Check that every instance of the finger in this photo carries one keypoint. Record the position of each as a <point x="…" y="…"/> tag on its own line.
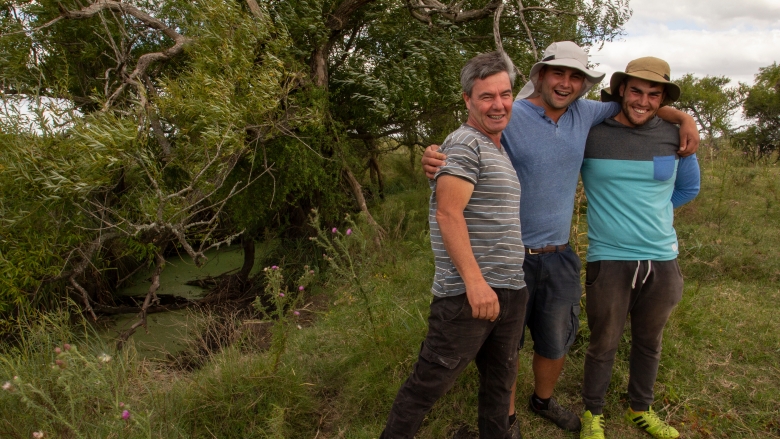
<point x="433" y="147"/>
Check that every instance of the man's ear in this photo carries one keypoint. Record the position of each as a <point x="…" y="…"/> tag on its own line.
<point x="622" y="89"/>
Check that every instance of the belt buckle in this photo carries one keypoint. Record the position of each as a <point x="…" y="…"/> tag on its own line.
<point x="532" y="252"/>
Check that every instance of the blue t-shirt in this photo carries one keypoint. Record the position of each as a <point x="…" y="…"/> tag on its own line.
<point x="633" y="178"/>
<point x="547" y="157"/>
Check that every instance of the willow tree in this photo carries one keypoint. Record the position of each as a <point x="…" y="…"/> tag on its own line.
<point x="153" y="128"/>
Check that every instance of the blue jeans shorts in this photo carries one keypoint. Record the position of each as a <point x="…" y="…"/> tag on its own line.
<point x="552" y="313"/>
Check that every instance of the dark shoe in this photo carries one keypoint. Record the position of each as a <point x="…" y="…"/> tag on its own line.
<point x="514" y="430"/>
<point x="563" y="418"/>
<point x="465" y="432"/>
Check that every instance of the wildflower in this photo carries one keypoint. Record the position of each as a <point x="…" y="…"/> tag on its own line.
<point x="300" y="288"/>
<point x="38" y="434"/>
<point x="349" y="232"/>
<point x="104" y="358"/>
<point x="60" y="363"/>
<point x="125" y="414"/>
<point x="7" y="386"/>
<point x="300" y="327"/>
<point x="121" y="404"/>
<point x="281" y="294"/>
<point x="67" y="346"/>
<point x="296" y="313"/>
<point x="57" y="350"/>
<point x="334" y="230"/>
<point x="274" y="267"/>
<point x="311" y="271"/>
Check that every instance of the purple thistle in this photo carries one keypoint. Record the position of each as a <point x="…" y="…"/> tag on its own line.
<point x="274" y="267"/>
<point x="281" y="294"/>
<point x="334" y="230"/>
<point x="349" y="232"/>
<point x="125" y="414"/>
<point x="300" y="288"/>
<point x="296" y="313"/>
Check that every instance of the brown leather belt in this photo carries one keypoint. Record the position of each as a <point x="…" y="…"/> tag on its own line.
<point x="548" y="249"/>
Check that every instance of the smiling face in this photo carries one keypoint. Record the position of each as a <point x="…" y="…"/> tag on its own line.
<point x="490" y="105"/>
<point x="559" y="87"/>
<point x="641" y="101"/>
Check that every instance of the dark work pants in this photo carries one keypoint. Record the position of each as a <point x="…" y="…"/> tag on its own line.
<point x="455" y="339"/>
<point x="610" y="299"/>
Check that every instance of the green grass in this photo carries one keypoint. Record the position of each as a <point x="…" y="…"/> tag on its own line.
<point x="719" y="375"/>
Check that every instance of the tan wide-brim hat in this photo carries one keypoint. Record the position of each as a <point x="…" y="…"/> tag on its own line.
<point x="564" y="54"/>
<point x="650" y="69"/>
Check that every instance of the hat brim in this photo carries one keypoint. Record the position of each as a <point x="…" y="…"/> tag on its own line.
<point x="672" y="90"/>
<point x="529" y="90"/>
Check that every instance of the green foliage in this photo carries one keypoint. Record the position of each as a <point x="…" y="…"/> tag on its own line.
<point x="763" y="105"/>
<point x="710" y="102"/>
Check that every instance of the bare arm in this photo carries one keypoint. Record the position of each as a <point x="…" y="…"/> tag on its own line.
<point x="689" y="132"/>
<point x="432" y="160"/>
<point x="452" y="195"/>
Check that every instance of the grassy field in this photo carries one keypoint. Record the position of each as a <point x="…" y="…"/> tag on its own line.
<point x="338" y="371"/>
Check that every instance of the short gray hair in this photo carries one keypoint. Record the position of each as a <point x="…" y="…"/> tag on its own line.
<point x="484" y="65"/>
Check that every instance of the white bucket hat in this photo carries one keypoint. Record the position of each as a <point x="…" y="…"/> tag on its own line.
<point x="564" y="54"/>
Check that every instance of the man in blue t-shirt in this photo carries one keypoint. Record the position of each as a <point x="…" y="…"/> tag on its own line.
<point x="545" y="140"/>
<point x="633" y="179"/>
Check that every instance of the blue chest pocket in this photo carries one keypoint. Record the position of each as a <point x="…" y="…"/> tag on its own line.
<point x="663" y="167"/>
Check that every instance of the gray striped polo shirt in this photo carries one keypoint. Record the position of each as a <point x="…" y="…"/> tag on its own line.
<point x="492" y="214"/>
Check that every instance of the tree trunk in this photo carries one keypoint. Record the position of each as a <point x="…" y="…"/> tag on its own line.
<point x="357" y="191"/>
<point x="248" y="244"/>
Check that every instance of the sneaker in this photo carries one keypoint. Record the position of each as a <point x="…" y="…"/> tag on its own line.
<point x="651" y="423"/>
<point x="514" y="430"/>
<point x="592" y="426"/>
<point x="562" y="417"/>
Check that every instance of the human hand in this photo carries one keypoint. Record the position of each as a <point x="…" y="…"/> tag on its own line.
<point x="689" y="137"/>
<point x="483" y="301"/>
<point x="432" y="160"/>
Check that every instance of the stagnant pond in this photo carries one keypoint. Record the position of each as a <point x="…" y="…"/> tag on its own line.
<point x="167" y="330"/>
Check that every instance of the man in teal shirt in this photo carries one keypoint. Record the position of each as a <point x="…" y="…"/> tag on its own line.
<point x="633" y="178"/>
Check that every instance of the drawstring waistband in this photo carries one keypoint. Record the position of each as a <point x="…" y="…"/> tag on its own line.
<point x="636" y="272"/>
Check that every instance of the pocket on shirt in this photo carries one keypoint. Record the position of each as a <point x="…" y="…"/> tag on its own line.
<point x="663" y="167"/>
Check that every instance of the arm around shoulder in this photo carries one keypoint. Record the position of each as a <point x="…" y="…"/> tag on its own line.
<point x="689" y="131"/>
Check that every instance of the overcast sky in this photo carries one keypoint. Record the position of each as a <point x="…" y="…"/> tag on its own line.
<point x="704" y="37"/>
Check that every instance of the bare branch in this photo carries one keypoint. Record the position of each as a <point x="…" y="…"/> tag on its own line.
<point x="522" y="10"/>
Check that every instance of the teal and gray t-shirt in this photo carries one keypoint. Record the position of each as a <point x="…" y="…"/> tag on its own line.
<point x="492" y="214"/>
<point x="633" y="178"/>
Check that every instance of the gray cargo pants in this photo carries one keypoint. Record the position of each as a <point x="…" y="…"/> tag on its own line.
<point x="647" y="291"/>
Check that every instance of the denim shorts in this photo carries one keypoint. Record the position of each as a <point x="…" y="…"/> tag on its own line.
<point x="554" y="291"/>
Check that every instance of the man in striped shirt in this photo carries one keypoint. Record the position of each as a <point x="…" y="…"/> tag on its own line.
<point x="479" y="293"/>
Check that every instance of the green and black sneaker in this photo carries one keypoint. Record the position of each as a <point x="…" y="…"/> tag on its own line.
<point x="592" y="426"/>
<point x="652" y="424"/>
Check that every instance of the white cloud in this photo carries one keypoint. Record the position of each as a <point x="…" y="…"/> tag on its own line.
<point x="718" y="38"/>
<point x="710" y="14"/>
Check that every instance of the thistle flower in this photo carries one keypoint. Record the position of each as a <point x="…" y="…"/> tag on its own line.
<point x="121" y="404"/>
<point x="104" y="358"/>
<point x="57" y="350"/>
<point x="67" y="346"/>
<point x="300" y="288"/>
<point x="281" y="294"/>
<point x="349" y="232"/>
<point x="274" y="267"/>
<point x="38" y="434"/>
<point x="296" y="313"/>
<point x="334" y="230"/>
<point x="8" y="387"/>
<point x="125" y="414"/>
<point x="60" y="363"/>
<point x="311" y="271"/>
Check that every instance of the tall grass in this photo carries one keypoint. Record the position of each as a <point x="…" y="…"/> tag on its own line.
<point x="337" y="377"/>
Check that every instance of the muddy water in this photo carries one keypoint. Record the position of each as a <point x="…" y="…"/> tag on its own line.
<point x="168" y="330"/>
